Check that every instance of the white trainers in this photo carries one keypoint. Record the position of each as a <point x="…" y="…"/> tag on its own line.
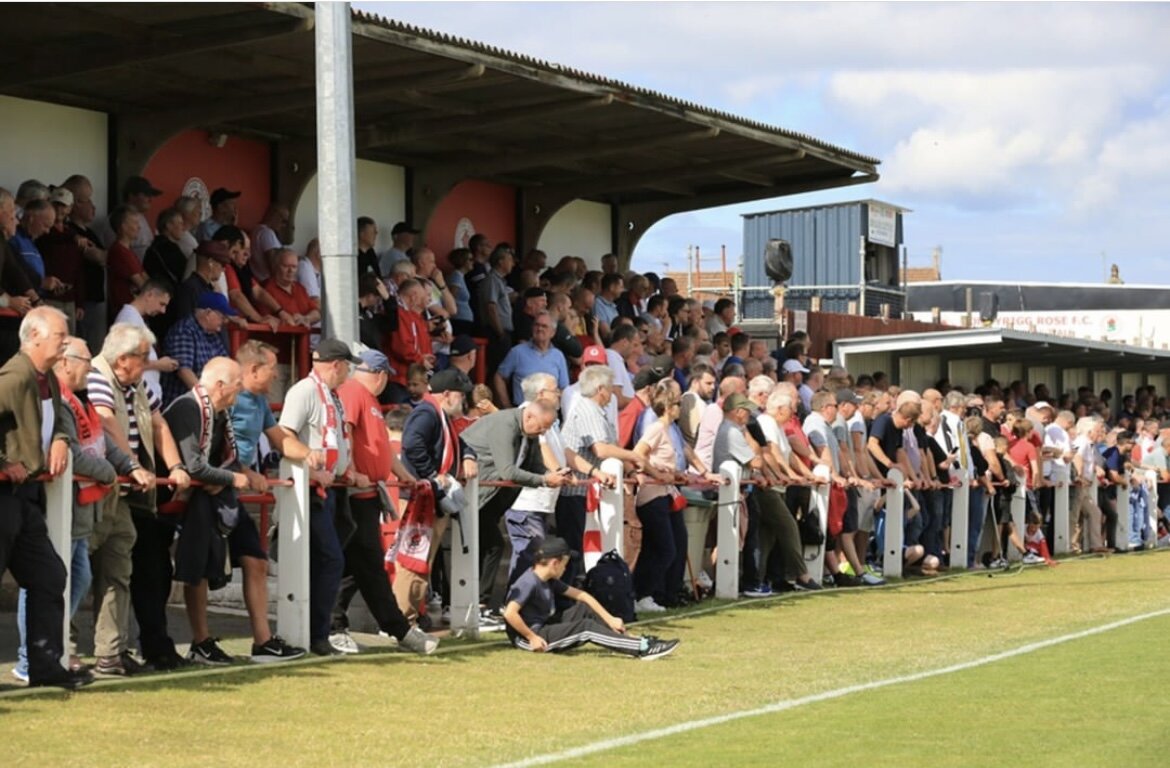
<point x="420" y="642"/>
<point x="704" y="581"/>
<point x="647" y="605"/>
<point x="343" y="643"/>
<point x="1031" y="558"/>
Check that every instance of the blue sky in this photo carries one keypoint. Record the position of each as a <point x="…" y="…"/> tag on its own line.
<point x="1027" y="139"/>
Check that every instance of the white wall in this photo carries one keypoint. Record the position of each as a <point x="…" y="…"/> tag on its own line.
<point x="50" y="143"/>
<point x="581" y="228"/>
<point x="381" y="195"/>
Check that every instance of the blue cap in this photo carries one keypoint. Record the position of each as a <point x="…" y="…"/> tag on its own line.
<point x="216" y="301"/>
<point x="374" y="361"/>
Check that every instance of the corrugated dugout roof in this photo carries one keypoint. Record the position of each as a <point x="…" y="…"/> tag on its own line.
<point x="997" y="344"/>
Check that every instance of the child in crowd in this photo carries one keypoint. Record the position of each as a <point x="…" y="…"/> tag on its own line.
<point x="416" y="383"/>
<point x="531" y="604"/>
<point x="1036" y="544"/>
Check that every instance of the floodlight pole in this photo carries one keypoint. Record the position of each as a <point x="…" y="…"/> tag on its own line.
<point x="335" y="170"/>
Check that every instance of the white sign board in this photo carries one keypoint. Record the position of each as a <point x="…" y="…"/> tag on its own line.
<point x="1141" y="328"/>
<point x="883" y="224"/>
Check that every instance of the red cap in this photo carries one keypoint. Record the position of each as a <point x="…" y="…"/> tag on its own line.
<point x="594" y="355"/>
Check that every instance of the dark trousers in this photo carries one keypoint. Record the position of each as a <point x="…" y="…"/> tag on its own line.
<point x="491" y="543"/>
<point x="750" y="561"/>
<point x="326" y="563"/>
<point x="25" y="550"/>
<point x="657" y="553"/>
<point x="570" y="519"/>
<point x="932" y="521"/>
<point x="580" y="625"/>
<point x="976" y="513"/>
<point x="779" y="533"/>
<point x="678" y="567"/>
<point x="526" y="531"/>
<point x="1107" y="501"/>
<point x="150" y="582"/>
<point x="364" y="572"/>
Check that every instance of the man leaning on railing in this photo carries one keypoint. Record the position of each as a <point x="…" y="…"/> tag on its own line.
<point x="31" y="441"/>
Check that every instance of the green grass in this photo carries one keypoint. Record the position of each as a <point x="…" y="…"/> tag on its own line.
<point x="1076" y="704"/>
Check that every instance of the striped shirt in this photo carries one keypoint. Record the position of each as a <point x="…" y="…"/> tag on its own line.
<point x="585" y="426"/>
<point x="101" y="395"/>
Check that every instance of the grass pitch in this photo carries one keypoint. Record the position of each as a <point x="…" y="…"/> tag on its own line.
<point x="1093" y="701"/>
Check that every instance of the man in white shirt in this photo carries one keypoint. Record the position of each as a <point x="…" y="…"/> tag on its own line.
<point x="151" y="301"/>
<point x="266" y="237"/>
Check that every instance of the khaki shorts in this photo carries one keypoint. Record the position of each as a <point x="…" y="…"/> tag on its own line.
<point x="866" y="501"/>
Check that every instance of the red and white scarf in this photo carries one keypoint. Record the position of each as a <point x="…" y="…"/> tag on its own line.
<point x="92" y="441"/>
<point x="331" y="435"/>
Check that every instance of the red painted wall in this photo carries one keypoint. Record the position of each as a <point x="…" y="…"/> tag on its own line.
<point x="488" y="209"/>
<point x="241" y="165"/>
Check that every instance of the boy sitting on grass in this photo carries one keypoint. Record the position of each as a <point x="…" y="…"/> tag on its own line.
<point x="532" y="603"/>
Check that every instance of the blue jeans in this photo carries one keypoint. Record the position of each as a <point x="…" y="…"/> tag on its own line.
<point x="81" y="577"/>
<point x="526" y="530"/>
<point x="975" y="513"/>
<point x="1139" y="507"/>
<point x="326" y="564"/>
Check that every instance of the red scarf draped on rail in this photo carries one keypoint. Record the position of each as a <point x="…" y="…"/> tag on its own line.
<point x="412" y="546"/>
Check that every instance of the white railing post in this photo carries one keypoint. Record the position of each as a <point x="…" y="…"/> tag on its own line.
<point x="611" y="510"/>
<point x="727" y="542"/>
<point x="292" y="576"/>
<point x="818" y="505"/>
<point x="1061" y="543"/>
<point x="894" y="527"/>
<point x="960" y="519"/>
<point x="465" y="565"/>
<point x="59" y="520"/>
<point x="1019" y="507"/>
<point x="1121" y="529"/>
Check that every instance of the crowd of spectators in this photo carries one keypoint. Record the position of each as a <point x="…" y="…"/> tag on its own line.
<point x="581" y="366"/>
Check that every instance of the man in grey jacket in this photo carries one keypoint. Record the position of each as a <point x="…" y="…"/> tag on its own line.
<point x="507" y="447"/>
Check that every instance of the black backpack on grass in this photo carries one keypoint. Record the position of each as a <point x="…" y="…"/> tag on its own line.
<point x="610" y="582"/>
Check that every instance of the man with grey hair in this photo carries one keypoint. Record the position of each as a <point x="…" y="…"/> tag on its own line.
<point x="191" y="209"/>
<point x="28" y="191"/>
<point x="506" y="444"/>
<point x="588" y="433"/>
<point x="130" y="546"/>
<point x="527" y="520"/>
<point x="535" y="356"/>
<point x="214" y="523"/>
<point x="32" y="441"/>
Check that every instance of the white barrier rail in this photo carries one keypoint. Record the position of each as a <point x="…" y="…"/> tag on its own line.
<point x="293" y="508"/>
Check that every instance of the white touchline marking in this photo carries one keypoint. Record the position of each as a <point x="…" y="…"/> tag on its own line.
<point x="781" y="706"/>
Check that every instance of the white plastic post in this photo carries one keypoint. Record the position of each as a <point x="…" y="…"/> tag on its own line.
<point x="1061" y="544"/>
<point x="1121" y="530"/>
<point x="1019" y="507"/>
<point x="819" y="505"/>
<point x="465" y="565"/>
<point x="895" y="526"/>
<point x="727" y="543"/>
<point x="960" y="519"/>
<point x="59" y="520"/>
<point x="292" y="577"/>
<point x="611" y="511"/>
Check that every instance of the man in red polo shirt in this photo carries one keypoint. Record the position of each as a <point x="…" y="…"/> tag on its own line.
<point x="297" y="307"/>
<point x="362" y="541"/>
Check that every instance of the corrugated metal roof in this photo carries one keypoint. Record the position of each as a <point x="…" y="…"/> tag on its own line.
<point x="559" y="69"/>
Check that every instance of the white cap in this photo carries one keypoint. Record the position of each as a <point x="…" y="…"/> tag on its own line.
<point x="793" y="366"/>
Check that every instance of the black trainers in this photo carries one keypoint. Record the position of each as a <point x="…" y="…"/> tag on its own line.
<point x="62" y="678"/>
<point x="657" y="649"/>
<point x="209" y="654"/>
<point x="807" y="586"/>
<point x="122" y="665"/>
<point x="275" y="650"/>
<point x="166" y="662"/>
<point x="324" y="648"/>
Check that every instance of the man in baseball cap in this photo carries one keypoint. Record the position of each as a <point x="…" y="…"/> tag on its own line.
<point x="647" y="376"/>
<point x="223" y="212"/>
<point x="402" y="235"/>
<point x="332" y="350"/>
<point x="464" y="353"/>
<point x="451" y="380"/>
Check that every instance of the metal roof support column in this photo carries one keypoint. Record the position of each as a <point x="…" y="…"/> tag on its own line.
<point x="336" y="176"/>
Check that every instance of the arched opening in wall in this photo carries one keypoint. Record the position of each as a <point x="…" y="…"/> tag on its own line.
<point x="581" y="228"/>
<point x="380" y="194"/>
